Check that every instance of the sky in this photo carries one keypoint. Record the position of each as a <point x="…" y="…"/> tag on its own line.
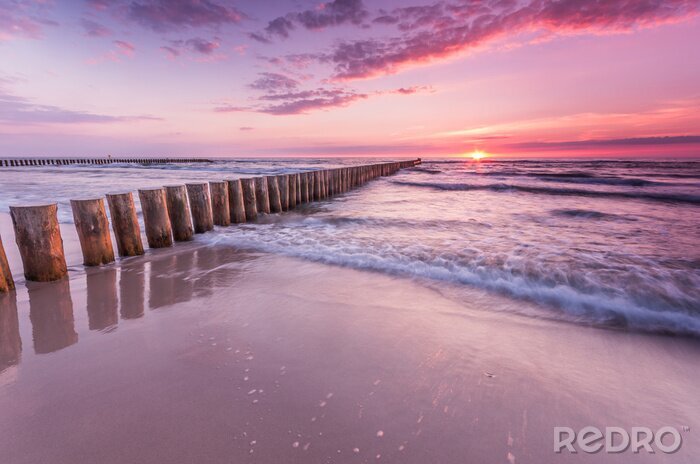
<point x="512" y="78"/>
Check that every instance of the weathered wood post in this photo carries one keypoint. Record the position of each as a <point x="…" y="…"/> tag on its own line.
<point x="283" y="183"/>
<point x="179" y="212"/>
<point x="299" y="195"/>
<point x="274" y="193"/>
<point x="318" y="186"/>
<point x="125" y="224"/>
<point x="155" y="218"/>
<point x="249" y="199"/>
<point x="7" y="283"/>
<point x="200" y="205"/>
<point x="236" y="201"/>
<point x="262" y="195"/>
<point x="38" y="237"/>
<point x="219" y="203"/>
<point x="292" y="198"/>
<point x="308" y="186"/>
<point x="93" y="231"/>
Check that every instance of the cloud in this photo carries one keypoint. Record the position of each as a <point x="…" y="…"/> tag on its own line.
<point x="202" y="46"/>
<point x="273" y="82"/>
<point x="445" y="29"/>
<point x="170" y="52"/>
<point x="279" y="27"/>
<point x="125" y="48"/>
<point x="283" y="97"/>
<point x="335" y="13"/>
<point x="165" y="15"/>
<point x="18" y="110"/>
<point x="301" y="102"/>
<point x="94" y="29"/>
<point x="122" y="49"/>
<point x="623" y="142"/>
<point x="245" y="129"/>
<point x="23" y="19"/>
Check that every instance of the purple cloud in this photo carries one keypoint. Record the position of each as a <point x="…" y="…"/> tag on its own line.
<point x="22" y="18"/>
<point x="18" y="110"/>
<point x="444" y="29"/>
<point x="170" y="52"/>
<point x="94" y="29"/>
<point x="296" y="101"/>
<point x="202" y="46"/>
<point x="164" y="15"/>
<point x="279" y="27"/>
<point x="273" y="82"/>
<point x="299" y="102"/>
<point x="335" y="13"/>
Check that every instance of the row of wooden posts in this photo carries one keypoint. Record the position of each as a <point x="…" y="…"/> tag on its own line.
<point x="171" y="213"/>
<point x="66" y="161"/>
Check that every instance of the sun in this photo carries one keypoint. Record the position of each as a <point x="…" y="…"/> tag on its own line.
<point x="477" y="155"/>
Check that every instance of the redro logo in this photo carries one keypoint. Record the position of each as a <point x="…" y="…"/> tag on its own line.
<point x="617" y="440"/>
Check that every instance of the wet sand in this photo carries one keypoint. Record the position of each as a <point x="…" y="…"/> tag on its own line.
<point x="210" y="354"/>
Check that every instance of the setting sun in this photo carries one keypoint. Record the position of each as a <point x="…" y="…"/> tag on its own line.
<point x="477" y="155"/>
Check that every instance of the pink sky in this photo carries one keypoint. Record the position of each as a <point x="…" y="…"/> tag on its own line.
<point x="389" y="78"/>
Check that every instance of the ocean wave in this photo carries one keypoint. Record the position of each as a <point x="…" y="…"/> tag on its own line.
<point x="602" y="307"/>
<point x="655" y="196"/>
<point x="590" y="214"/>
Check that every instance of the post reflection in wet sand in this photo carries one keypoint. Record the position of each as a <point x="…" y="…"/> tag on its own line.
<point x="51" y="314"/>
<point x="173" y="279"/>
<point x="102" y="298"/>
<point x="10" y="341"/>
<point x="132" y="289"/>
<point x="170" y="279"/>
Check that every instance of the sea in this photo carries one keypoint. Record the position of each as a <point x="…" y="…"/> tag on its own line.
<point x="605" y="243"/>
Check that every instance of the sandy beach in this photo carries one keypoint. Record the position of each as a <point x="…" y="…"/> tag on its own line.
<point x="211" y="354"/>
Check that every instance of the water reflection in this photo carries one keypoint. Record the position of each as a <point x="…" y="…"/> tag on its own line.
<point x="132" y="287"/>
<point x="102" y="299"/>
<point x="113" y="291"/>
<point x="51" y="313"/>
<point x="171" y="279"/>
<point x="10" y="341"/>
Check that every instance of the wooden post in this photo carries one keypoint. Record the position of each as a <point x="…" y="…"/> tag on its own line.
<point x="283" y="182"/>
<point x="219" y="203"/>
<point x="318" y="186"/>
<point x="274" y="192"/>
<point x="299" y="195"/>
<point x="200" y="205"/>
<point x="93" y="231"/>
<point x="155" y="218"/>
<point x="125" y="224"/>
<point x="307" y="187"/>
<point x="262" y="196"/>
<point x="38" y="237"/>
<point x="179" y="212"/>
<point x="236" y="202"/>
<point x="7" y="283"/>
<point x="249" y="199"/>
<point x="292" y="199"/>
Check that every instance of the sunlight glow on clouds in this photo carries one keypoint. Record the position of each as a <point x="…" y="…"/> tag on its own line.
<point x="346" y="77"/>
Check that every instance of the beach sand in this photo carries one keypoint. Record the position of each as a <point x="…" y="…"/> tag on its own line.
<point x="210" y="354"/>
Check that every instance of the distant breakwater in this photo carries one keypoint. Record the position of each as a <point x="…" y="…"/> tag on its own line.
<point x="12" y="162"/>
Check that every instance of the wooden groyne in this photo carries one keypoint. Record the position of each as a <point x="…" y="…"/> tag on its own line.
<point x="170" y="214"/>
<point x="16" y="162"/>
